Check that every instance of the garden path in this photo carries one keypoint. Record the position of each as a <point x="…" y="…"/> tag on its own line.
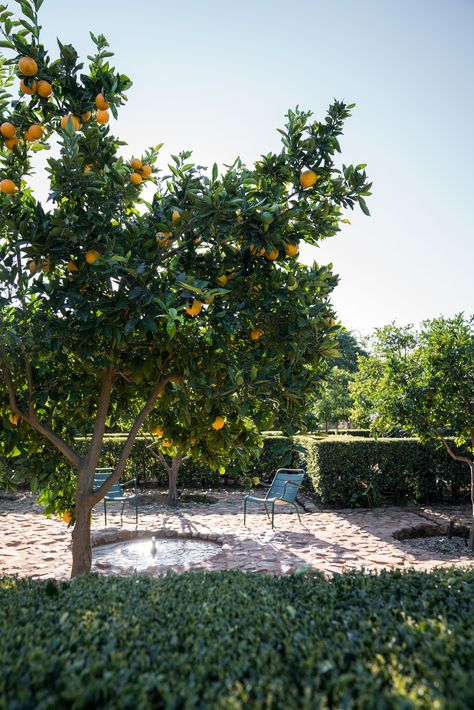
<point x="327" y="540"/>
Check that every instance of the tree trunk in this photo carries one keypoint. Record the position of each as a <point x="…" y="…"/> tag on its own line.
<point x="81" y="538"/>
<point x="81" y="535"/>
<point x="173" y="471"/>
<point x="471" y="536"/>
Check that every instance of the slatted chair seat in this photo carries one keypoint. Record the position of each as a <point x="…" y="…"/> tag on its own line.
<point x="116" y="493"/>
<point x="283" y="491"/>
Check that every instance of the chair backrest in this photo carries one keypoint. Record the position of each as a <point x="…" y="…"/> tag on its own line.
<point x="278" y="490"/>
<point x="100" y="476"/>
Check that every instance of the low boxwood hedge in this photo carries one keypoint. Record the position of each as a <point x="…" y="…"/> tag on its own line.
<point x="240" y="641"/>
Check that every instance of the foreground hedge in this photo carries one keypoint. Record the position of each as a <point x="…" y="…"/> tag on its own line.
<point x="236" y="640"/>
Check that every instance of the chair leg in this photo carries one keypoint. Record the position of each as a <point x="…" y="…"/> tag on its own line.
<point x="245" y="509"/>
<point x="121" y="513"/>
<point x="297" y="511"/>
<point x="266" y="510"/>
<point x="273" y="515"/>
<point x="105" y="512"/>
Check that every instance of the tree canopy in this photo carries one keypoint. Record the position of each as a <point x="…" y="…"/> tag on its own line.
<point x="110" y="301"/>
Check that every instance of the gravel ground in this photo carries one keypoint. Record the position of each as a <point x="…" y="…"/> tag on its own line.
<point x="456" y="547"/>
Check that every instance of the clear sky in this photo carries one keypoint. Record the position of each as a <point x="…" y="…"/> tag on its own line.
<point x="217" y="77"/>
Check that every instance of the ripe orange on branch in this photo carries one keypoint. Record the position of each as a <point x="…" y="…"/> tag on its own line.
<point x="7" y="186"/>
<point x="86" y="116"/>
<point x="136" y="164"/>
<point x="256" y="333"/>
<point x="308" y="178"/>
<point x="11" y="142"/>
<point x="218" y="423"/>
<point x="101" y="103"/>
<point x="195" y="308"/>
<point x="272" y="254"/>
<point x="291" y="249"/>
<point x="146" y="171"/>
<point x="75" y="122"/>
<point x="92" y="255"/>
<point x="34" y="132"/>
<point x="103" y="116"/>
<point x="27" y="66"/>
<point x="28" y="89"/>
<point x="135" y="178"/>
<point x="44" y="89"/>
<point x="8" y="130"/>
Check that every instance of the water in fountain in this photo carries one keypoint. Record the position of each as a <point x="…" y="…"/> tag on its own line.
<point x="140" y="554"/>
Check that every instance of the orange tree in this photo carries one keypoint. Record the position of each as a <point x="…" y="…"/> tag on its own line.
<point x="102" y="302"/>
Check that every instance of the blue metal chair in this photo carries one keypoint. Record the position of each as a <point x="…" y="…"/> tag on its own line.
<point x="116" y="492"/>
<point x="284" y="488"/>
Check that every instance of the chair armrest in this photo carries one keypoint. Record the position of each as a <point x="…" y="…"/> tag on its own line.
<point x="129" y="483"/>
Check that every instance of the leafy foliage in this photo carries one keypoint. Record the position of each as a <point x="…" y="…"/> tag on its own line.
<point x="235" y="640"/>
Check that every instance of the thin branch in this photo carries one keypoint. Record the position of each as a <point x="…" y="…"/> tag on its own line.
<point x="453" y="455"/>
<point x="150" y="403"/>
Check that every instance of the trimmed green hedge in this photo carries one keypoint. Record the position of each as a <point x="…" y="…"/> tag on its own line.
<point x="239" y="641"/>
<point x="345" y="471"/>
<point x="350" y="471"/>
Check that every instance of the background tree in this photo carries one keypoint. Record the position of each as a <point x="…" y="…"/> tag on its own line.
<point x="423" y="382"/>
<point x="334" y="402"/>
<point x="104" y="304"/>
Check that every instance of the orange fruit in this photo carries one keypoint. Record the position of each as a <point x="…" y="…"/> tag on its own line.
<point x="28" y="89"/>
<point x="7" y="186"/>
<point x="8" y="130"/>
<point x="175" y="215"/>
<point x="308" y="178"/>
<point x="222" y="280"/>
<point x="92" y="255"/>
<point x="33" y="266"/>
<point x="136" y="164"/>
<point x="272" y="255"/>
<point x="14" y="418"/>
<point x="103" y="116"/>
<point x="256" y="333"/>
<point x="27" y="66"/>
<point x="218" y="423"/>
<point x="44" y="89"/>
<point x="86" y="116"/>
<point x="75" y="122"/>
<point x="101" y="103"/>
<point x="166" y="443"/>
<point x="67" y="517"/>
<point x="163" y="240"/>
<point x="146" y="171"/>
<point x="195" y="308"/>
<point x="11" y="142"/>
<point x="88" y="167"/>
<point x="71" y="266"/>
<point x="135" y="178"/>
<point x="45" y="265"/>
<point x="34" y="132"/>
<point x="158" y="431"/>
<point x="255" y="251"/>
<point x="291" y="249"/>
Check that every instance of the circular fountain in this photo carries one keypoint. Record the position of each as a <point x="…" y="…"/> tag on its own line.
<point x="153" y="554"/>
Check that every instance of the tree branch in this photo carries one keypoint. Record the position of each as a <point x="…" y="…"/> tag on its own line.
<point x="32" y="419"/>
<point x="157" y="392"/>
<point x="95" y="447"/>
<point x="453" y="455"/>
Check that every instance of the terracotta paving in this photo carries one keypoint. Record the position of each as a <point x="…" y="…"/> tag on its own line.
<point x="327" y="540"/>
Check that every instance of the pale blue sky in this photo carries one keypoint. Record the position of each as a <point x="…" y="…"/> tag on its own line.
<point x="217" y="77"/>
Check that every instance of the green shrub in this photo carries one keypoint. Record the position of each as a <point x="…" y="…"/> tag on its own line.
<point x="351" y="471"/>
<point x="240" y="641"/>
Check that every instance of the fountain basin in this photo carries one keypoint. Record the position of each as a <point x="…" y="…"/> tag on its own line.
<point x="144" y="553"/>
